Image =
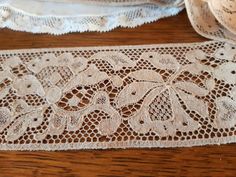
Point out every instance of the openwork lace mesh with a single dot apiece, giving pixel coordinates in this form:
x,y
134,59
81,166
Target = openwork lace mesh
x,y
118,97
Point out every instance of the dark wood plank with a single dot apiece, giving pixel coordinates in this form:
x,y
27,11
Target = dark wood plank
x,y
197,161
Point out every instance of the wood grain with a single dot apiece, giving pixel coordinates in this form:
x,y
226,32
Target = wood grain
x,y
197,161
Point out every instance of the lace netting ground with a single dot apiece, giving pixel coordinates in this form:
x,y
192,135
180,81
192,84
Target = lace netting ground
x,y
117,97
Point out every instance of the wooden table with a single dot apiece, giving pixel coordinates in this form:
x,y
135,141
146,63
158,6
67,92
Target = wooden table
x,y
197,161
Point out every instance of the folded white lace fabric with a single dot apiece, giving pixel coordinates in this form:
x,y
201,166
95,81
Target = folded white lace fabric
x,y
63,16
214,19
164,95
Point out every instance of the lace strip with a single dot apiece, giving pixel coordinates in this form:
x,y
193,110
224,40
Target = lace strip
x,y
167,95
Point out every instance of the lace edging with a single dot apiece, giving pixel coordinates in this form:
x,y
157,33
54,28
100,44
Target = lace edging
x,y
221,35
116,145
19,20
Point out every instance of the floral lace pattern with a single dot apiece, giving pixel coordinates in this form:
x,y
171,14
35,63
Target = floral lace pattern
x,y
118,97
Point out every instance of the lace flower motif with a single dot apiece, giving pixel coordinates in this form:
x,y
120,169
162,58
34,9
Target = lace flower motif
x,y
165,103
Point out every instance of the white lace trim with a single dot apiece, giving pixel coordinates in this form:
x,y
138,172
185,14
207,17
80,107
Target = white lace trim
x,y
167,95
17,19
206,23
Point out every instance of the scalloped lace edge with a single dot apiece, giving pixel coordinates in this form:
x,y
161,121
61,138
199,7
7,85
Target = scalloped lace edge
x,y
19,20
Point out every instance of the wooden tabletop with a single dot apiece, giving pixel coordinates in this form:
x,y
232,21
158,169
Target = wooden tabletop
x,y
196,161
